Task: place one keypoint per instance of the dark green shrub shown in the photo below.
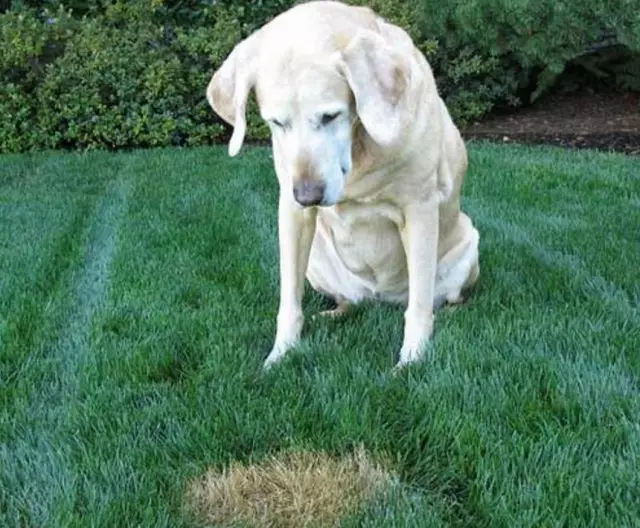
(116, 73)
(133, 74)
(29, 44)
(123, 82)
(203, 49)
(614, 67)
(494, 51)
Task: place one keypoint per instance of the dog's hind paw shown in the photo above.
(338, 311)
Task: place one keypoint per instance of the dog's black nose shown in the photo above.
(308, 193)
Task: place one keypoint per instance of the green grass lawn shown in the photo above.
(138, 296)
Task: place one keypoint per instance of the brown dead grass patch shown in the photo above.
(297, 489)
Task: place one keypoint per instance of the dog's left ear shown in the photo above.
(228, 90)
(379, 76)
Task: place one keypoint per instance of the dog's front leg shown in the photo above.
(296, 228)
(420, 239)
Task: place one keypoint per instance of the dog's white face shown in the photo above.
(310, 112)
(337, 63)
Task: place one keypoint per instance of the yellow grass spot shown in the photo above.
(297, 489)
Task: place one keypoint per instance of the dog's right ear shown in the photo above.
(228, 90)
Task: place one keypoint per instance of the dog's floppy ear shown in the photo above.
(229, 89)
(379, 76)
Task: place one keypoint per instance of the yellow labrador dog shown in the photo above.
(369, 165)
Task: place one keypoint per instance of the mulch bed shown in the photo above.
(604, 121)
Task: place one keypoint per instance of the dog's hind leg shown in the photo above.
(454, 299)
(341, 309)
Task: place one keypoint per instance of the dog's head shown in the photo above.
(316, 78)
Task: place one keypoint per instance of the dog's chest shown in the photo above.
(354, 216)
(366, 239)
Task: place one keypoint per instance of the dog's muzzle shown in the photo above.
(308, 193)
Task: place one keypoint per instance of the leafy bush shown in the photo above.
(499, 50)
(116, 73)
(128, 74)
(29, 44)
(125, 80)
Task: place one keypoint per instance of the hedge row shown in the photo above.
(123, 74)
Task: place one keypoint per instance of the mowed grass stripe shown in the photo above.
(49, 470)
(527, 404)
(180, 281)
(26, 311)
(91, 282)
(573, 266)
(45, 208)
(592, 192)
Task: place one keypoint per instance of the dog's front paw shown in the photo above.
(288, 334)
(276, 354)
(410, 355)
(417, 336)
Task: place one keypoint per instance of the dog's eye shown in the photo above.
(328, 118)
(277, 123)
